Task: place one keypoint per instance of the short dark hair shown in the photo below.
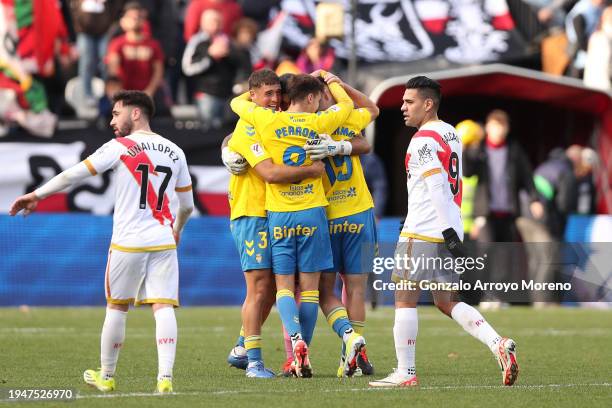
(132, 5)
(136, 98)
(263, 77)
(427, 88)
(285, 81)
(302, 85)
(500, 116)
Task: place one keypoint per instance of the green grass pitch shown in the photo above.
(565, 358)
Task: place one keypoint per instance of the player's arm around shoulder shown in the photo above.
(360, 145)
(333, 117)
(250, 112)
(282, 174)
(233, 161)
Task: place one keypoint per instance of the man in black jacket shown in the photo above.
(217, 65)
(503, 169)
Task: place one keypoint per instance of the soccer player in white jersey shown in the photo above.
(433, 230)
(142, 264)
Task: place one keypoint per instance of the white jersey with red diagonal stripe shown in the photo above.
(435, 148)
(148, 169)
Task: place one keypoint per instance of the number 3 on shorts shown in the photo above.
(263, 239)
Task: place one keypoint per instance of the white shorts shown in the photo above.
(142, 277)
(432, 262)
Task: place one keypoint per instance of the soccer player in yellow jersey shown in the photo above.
(352, 225)
(249, 223)
(297, 222)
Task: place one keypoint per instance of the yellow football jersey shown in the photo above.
(283, 135)
(345, 185)
(247, 192)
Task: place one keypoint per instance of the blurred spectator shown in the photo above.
(136, 59)
(598, 65)
(587, 193)
(23, 101)
(503, 170)
(38, 52)
(217, 64)
(92, 20)
(230, 11)
(551, 13)
(245, 38)
(316, 55)
(555, 182)
(161, 16)
(259, 10)
(471, 134)
(502, 167)
(287, 66)
(580, 23)
(376, 179)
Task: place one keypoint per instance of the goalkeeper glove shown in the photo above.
(326, 146)
(453, 243)
(233, 162)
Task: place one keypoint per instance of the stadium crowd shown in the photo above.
(201, 52)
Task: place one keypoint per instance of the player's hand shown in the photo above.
(317, 73)
(233, 162)
(177, 236)
(27, 203)
(326, 146)
(318, 168)
(331, 78)
(453, 243)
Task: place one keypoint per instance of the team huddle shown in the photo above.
(285, 227)
(301, 214)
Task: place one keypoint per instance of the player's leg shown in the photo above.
(314, 254)
(468, 317)
(166, 337)
(355, 304)
(308, 312)
(313, 249)
(160, 289)
(290, 316)
(288, 368)
(259, 284)
(338, 319)
(334, 309)
(406, 325)
(359, 247)
(405, 332)
(250, 236)
(123, 273)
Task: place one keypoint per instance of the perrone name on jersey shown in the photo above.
(160, 147)
(295, 131)
(344, 131)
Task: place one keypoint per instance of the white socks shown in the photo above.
(111, 341)
(166, 337)
(472, 322)
(405, 333)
